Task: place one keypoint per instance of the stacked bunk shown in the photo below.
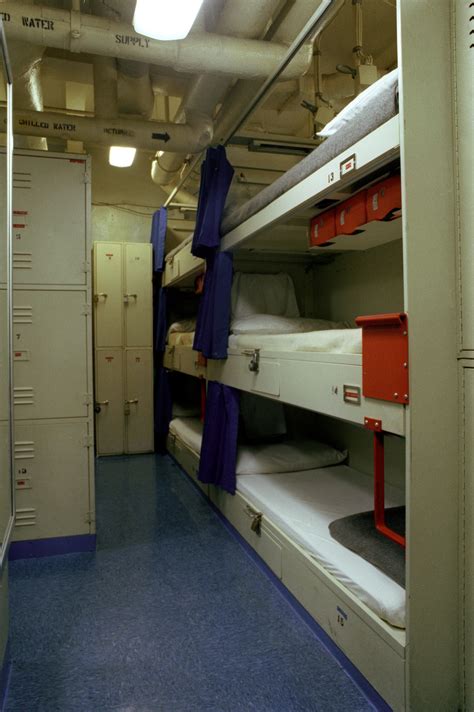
(300, 505)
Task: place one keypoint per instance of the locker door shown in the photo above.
(50, 354)
(108, 294)
(4, 390)
(139, 400)
(138, 295)
(52, 479)
(49, 219)
(109, 397)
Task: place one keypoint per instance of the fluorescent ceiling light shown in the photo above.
(165, 19)
(121, 156)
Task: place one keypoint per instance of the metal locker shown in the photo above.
(5, 490)
(49, 219)
(52, 479)
(138, 316)
(4, 390)
(50, 353)
(108, 294)
(139, 400)
(109, 401)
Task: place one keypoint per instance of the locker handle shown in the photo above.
(127, 297)
(99, 295)
(104, 402)
(132, 400)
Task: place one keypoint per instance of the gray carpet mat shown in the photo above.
(358, 533)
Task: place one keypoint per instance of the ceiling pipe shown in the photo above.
(192, 137)
(240, 19)
(27, 91)
(198, 53)
(313, 26)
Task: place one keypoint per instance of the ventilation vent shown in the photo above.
(25, 517)
(23, 395)
(22, 260)
(22, 181)
(24, 450)
(22, 315)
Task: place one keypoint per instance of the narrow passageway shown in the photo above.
(170, 614)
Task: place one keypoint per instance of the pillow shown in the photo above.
(267, 324)
(263, 294)
(356, 106)
(290, 456)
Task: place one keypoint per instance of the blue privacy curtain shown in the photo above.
(163, 407)
(213, 319)
(216, 177)
(212, 327)
(159, 312)
(219, 439)
(158, 237)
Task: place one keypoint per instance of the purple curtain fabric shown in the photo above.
(159, 310)
(158, 237)
(219, 439)
(213, 321)
(163, 407)
(216, 177)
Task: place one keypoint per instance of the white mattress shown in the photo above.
(303, 504)
(336, 341)
(189, 431)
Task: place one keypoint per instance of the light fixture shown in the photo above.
(121, 156)
(165, 19)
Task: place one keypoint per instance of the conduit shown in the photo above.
(147, 135)
(198, 53)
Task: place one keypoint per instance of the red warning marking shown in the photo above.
(18, 225)
(76, 160)
(20, 212)
(109, 358)
(17, 354)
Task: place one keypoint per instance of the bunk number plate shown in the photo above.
(347, 165)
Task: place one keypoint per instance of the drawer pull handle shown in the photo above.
(256, 517)
(254, 364)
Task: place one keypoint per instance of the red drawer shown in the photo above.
(323, 228)
(351, 214)
(384, 199)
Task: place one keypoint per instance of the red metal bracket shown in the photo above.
(379, 482)
(385, 357)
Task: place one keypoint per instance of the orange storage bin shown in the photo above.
(323, 228)
(351, 214)
(384, 199)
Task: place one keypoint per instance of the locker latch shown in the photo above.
(128, 403)
(256, 518)
(127, 297)
(98, 405)
(254, 364)
(99, 295)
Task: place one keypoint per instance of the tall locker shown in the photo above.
(52, 346)
(123, 332)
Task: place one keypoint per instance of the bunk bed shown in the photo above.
(358, 375)
(285, 516)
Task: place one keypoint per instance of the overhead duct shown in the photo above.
(239, 18)
(192, 137)
(198, 53)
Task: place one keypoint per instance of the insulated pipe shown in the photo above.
(27, 91)
(238, 18)
(198, 53)
(147, 135)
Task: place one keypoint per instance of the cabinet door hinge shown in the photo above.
(87, 399)
(87, 310)
(88, 441)
(87, 177)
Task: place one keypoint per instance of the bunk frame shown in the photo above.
(430, 670)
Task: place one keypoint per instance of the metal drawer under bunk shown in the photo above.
(376, 648)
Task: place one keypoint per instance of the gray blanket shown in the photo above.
(358, 533)
(382, 108)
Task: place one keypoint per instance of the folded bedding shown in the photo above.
(181, 339)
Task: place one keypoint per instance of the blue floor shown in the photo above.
(170, 615)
